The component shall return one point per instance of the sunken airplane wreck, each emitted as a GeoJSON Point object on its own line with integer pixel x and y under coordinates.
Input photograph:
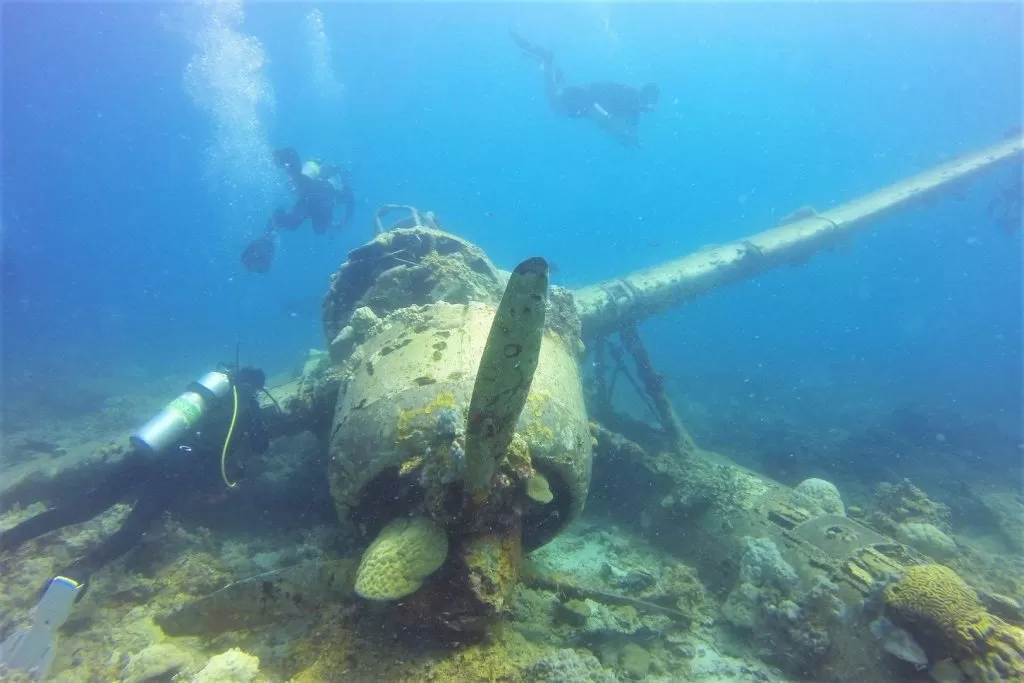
{"type": "Point", "coordinates": [461, 438]}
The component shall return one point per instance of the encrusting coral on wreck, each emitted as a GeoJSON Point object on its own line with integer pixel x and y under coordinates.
{"type": "Point", "coordinates": [818, 497]}
{"type": "Point", "coordinates": [903, 502]}
{"type": "Point", "coordinates": [791, 624]}
{"type": "Point", "coordinates": [404, 553]}
{"type": "Point", "coordinates": [949, 621]}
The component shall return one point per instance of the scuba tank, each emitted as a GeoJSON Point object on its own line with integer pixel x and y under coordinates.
{"type": "Point", "coordinates": [180, 415]}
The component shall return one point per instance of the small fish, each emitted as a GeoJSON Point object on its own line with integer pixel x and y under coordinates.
{"type": "Point", "coordinates": [301, 306]}
{"type": "Point", "coordinates": [39, 446]}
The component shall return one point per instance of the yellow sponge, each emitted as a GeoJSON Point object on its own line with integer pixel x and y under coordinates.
{"type": "Point", "coordinates": [405, 553]}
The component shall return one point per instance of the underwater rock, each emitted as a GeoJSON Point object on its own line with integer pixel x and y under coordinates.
{"type": "Point", "coordinates": [762, 565]}
{"type": "Point", "coordinates": [156, 662]}
{"type": "Point", "coordinates": [792, 628]}
{"type": "Point", "coordinates": [632, 580]}
{"type": "Point", "coordinates": [762, 568]}
{"type": "Point", "coordinates": [573, 612]}
{"type": "Point", "coordinates": [635, 661]}
{"type": "Point", "coordinates": [593, 618]}
{"type": "Point", "coordinates": [904, 502]}
{"type": "Point", "coordinates": [1007, 511]}
{"type": "Point", "coordinates": [233, 666]}
{"type": "Point", "coordinates": [741, 607]}
{"type": "Point", "coordinates": [196, 573]}
{"type": "Point", "coordinates": [899, 643]}
{"type": "Point", "coordinates": [606, 620]}
{"type": "Point", "coordinates": [363, 320]}
{"type": "Point", "coordinates": [819, 497]}
{"type": "Point", "coordinates": [946, 671]}
{"type": "Point", "coordinates": [570, 666]}
{"type": "Point", "coordinates": [679, 584]}
{"type": "Point", "coordinates": [927, 538]}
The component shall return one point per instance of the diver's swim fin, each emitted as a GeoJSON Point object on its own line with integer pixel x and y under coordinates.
{"type": "Point", "coordinates": [258, 256]}
{"type": "Point", "coordinates": [505, 373]}
{"type": "Point", "coordinates": [528, 48]}
{"type": "Point", "coordinates": [288, 159]}
{"type": "Point", "coordinates": [32, 649]}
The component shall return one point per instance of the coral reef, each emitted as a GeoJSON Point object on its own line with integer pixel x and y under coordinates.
{"type": "Point", "coordinates": [818, 497]}
{"type": "Point", "coordinates": [156, 662]}
{"type": "Point", "coordinates": [899, 642]}
{"type": "Point", "coordinates": [937, 602]}
{"type": "Point", "coordinates": [927, 538]}
{"type": "Point", "coordinates": [492, 563]}
{"type": "Point", "coordinates": [404, 553]}
{"type": "Point", "coordinates": [570, 666]}
{"type": "Point", "coordinates": [233, 666]}
{"type": "Point", "coordinates": [947, 618]}
{"type": "Point", "coordinates": [792, 627]}
{"type": "Point", "coordinates": [1007, 511]}
{"type": "Point", "coordinates": [595, 621]}
{"type": "Point", "coordinates": [434, 266]}
{"type": "Point", "coordinates": [897, 503]}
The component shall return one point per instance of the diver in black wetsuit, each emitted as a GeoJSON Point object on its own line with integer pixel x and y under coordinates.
{"type": "Point", "coordinates": [614, 107]}
{"type": "Point", "coordinates": [320, 188]}
{"type": "Point", "coordinates": [157, 481]}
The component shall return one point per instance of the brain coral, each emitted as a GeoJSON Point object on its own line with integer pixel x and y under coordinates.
{"type": "Point", "coordinates": [402, 556]}
{"type": "Point", "coordinates": [936, 602]}
{"type": "Point", "coordinates": [1003, 659]}
{"type": "Point", "coordinates": [934, 599]}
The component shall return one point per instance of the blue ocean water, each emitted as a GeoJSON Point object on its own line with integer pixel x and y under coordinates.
{"type": "Point", "coordinates": [137, 149]}
{"type": "Point", "coordinates": [136, 140]}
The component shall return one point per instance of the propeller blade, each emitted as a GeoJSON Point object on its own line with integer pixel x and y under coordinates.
{"type": "Point", "coordinates": [505, 373]}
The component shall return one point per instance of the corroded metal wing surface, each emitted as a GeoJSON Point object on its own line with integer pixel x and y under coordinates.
{"type": "Point", "coordinates": [263, 599]}
{"type": "Point", "coordinates": [505, 372]}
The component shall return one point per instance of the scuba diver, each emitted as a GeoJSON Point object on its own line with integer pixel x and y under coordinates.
{"type": "Point", "coordinates": [614, 107]}
{"type": "Point", "coordinates": [180, 452]}
{"type": "Point", "coordinates": [319, 189]}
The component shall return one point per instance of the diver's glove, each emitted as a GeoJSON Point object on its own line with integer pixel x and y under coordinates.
{"type": "Point", "coordinates": [32, 649]}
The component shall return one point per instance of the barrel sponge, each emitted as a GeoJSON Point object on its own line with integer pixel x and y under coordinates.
{"type": "Point", "coordinates": [405, 553]}
{"type": "Point", "coordinates": [935, 600]}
